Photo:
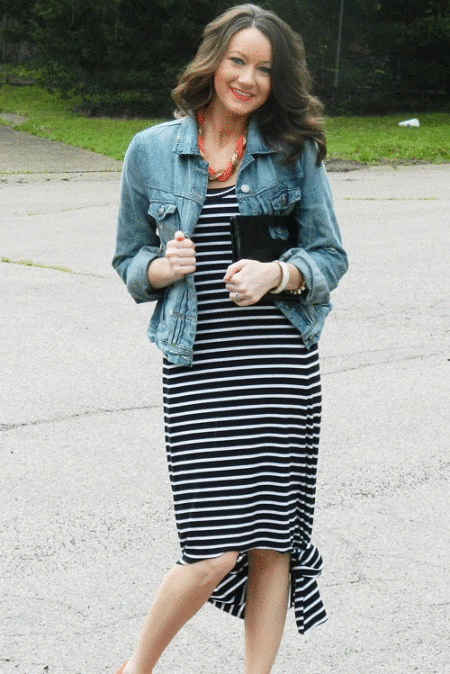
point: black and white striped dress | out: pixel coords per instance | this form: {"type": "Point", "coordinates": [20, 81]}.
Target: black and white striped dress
{"type": "Point", "coordinates": [242, 430]}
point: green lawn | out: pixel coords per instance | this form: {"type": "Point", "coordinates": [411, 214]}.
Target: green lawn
{"type": "Point", "coordinates": [371, 140]}
{"type": "Point", "coordinates": [52, 117]}
{"type": "Point", "coordinates": [375, 140]}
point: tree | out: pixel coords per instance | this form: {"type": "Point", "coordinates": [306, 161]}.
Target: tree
{"type": "Point", "coordinates": [15, 39]}
{"type": "Point", "coordinates": [124, 55]}
{"type": "Point", "coordinates": [414, 37]}
{"type": "Point", "coordinates": [101, 47]}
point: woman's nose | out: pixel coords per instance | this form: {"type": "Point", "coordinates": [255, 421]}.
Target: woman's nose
{"type": "Point", "coordinates": [247, 76]}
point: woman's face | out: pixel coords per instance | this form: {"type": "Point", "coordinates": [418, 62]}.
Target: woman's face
{"type": "Point", "coordinates": [242, 81]}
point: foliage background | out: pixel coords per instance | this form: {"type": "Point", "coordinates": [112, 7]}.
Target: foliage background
{"type": "Point", "coordinates": [122, 57]}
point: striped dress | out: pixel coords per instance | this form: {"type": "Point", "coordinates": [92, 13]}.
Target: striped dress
{"type": "Point", "coordinates": [242, 430]}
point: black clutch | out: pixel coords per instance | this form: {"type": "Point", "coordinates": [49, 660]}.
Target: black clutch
{"type": "Point", "coordinates": [264, 238]}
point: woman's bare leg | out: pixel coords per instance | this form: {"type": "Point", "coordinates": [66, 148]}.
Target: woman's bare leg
{"type": "Point", "coordinates": [182, 593]}
{"type": "Point", "coordinates": [265, 608]}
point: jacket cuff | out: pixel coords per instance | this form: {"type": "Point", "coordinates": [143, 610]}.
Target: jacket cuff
{"type": "Point", "coordinates": [137, 278]}
{"type": "Point", "coordinates": [316, 287]}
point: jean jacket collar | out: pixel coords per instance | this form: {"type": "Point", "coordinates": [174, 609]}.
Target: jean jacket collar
{"type": "Point", "coordinates": [187, 141]}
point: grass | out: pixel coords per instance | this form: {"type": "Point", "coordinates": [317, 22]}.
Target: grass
{"type": "Point", "coordinates": [377, 140]}
{"type": "Point", "coordinates": [30, 263]}
{"type": "Point", "coordinates": [369, 140]}
{"type": "Point", "coordinates": [50, 116]}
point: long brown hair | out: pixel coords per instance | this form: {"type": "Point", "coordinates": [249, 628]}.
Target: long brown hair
{"type": "Point", "coordinates": [291, 114]}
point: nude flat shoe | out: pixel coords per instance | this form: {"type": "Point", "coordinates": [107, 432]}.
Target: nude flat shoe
{"type": "Point", "coordinates": [120, 670]}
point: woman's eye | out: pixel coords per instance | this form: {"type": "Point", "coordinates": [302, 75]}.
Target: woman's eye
{"type": "Point", "coordinates": [236, 59]}
{"type": "Point", "coordinates": [265, 70]}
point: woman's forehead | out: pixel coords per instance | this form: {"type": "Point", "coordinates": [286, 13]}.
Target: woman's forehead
{"type": "Point", "coordinates": [251, 42]}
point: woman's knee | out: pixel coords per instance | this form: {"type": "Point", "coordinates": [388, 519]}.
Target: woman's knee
{"type": "Point", "coordinates": [214, 569]}
{"type": "Point", "coordinates": [223, 564]}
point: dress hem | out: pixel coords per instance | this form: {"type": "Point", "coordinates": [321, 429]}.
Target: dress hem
{"type": "Point", "coordinates": [306, 566]}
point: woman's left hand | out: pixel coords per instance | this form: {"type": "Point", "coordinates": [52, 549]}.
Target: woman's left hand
{"type": "Point", "coordinates": [248, 280]}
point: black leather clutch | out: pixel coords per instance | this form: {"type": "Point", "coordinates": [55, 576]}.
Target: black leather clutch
{"type": "Point", "coordinates": [264, 238]}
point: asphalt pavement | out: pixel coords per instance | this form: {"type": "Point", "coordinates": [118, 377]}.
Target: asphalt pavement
{"type": "Point", "coordinates": [87, 526]}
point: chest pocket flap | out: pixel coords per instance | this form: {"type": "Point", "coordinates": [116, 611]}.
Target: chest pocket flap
{"type": "Point", "coordinates": [159, 210]}
{"type": "Point", "coordinates": [285, 199]}
{"type": "Point", "coordinates": [166, 217]}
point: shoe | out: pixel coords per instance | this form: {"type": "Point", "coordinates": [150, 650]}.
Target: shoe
{"type": "Point", "coordinates": [120, 670]}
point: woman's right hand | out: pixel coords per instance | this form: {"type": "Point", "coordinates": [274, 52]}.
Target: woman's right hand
{"type": "Point", "coordinates": [180, 253]}
{"type": "Point", "coordinates": [178, 262]}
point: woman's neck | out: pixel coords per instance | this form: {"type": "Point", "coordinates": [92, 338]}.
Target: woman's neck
{"type": "Point", "coordinates": [222, 126]}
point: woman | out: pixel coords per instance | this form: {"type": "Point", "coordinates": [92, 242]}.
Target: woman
{"type": "Point", "coordinates": [241, 375]}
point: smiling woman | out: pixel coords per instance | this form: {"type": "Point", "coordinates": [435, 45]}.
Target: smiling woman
{"type": "Point", "coordinates": [242, 84]}
{"type": "Point", "coordinates": [291, 114]}
{"type": "Point", "coordinates": [241, 379]}
{"type": "Point", "coordinates": [242, 80]}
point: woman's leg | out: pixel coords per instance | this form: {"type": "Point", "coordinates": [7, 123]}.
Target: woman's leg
{"type": "Point", "coordinates": [183, 592]}
{"type": "Point", "coordinates": [265, 608]}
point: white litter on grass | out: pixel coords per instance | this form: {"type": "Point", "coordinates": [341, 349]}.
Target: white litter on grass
{"type": "Point", "coordinates": [410, 122]}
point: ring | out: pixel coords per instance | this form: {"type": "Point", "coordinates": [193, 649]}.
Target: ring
{"type": "Point", "coordinates": [236, 296]}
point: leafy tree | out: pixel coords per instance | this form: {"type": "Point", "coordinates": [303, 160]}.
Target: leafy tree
{"type": "Point", "coordinates": [414, 37]}
{"type": "Point", "coordinates": [124, 55]}
{"type": "Point", "coordinates": [102, 47]}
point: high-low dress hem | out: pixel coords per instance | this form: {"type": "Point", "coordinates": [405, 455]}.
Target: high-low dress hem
{"type": "Point", "coordinates": [305, 567]}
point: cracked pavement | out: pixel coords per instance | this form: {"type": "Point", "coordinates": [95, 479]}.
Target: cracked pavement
{"type": "Point", "coordinates": [87, 526]}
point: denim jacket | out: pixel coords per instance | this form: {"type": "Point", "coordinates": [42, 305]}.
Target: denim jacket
{"type": "Point", "coordinates": [164, 183]}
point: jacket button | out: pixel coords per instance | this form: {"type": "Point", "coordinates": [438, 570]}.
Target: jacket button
{"type": "Point", "coordinates": [160, 210]}
{"type": "Point", "coordinates": [245, 189]}
{"type": "Point", "coordinates": [284, 200]}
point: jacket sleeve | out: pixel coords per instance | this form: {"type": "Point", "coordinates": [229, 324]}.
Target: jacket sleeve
{"type": "Point", "coordinates": [320, 256]}
{"type": "Point", "coordinates": [137, 242]}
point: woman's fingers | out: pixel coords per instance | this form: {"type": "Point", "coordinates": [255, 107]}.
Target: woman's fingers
{"type": "Point", "coordinates": [248, 280]}
{"type": "Point", "coordinates": [233, 269]}
{"type": "Point", "coordinates": [180, 253]}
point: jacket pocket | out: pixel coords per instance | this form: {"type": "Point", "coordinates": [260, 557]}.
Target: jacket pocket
{"type": "Point", "coordinates": [167, 219]}
{"type": "Point", "coordinates": [285, 198]}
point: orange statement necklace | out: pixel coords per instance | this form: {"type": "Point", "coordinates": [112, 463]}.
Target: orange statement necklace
{"type": "Point", "coordinates": [228, 171]}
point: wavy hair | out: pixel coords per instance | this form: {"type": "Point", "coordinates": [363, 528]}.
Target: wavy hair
{"type": "Point", "coordinates": [291, 113]}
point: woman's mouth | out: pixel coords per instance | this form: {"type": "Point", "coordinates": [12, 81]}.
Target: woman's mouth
{"type": "Point", "coordinates": [241, 95]}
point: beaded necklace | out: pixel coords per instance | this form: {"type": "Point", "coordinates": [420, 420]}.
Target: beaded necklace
{"type": "Point", "coordinates": [223, 175]}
